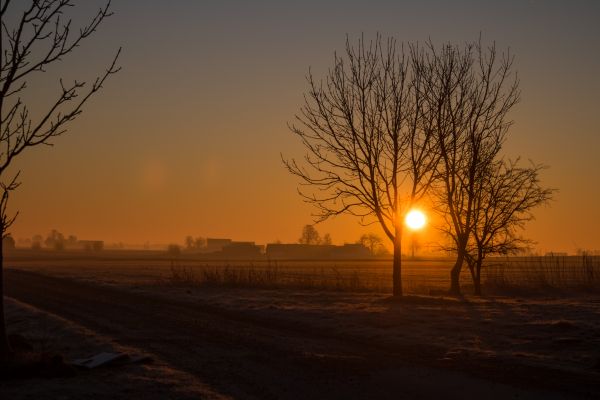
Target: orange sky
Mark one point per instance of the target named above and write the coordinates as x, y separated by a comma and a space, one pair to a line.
186, 140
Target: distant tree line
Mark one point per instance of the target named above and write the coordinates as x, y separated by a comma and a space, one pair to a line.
54, 240
374, 243
309, 236
197, 243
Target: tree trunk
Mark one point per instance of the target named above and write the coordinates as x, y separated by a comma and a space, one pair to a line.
457, 268
471, 268
455, 273
477, 286
4, 345
397, 277
477, 278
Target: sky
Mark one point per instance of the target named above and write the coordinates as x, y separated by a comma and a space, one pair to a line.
187, 139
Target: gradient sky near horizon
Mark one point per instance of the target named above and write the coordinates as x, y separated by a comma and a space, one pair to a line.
186, 139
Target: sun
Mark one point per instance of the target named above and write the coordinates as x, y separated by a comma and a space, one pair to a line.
415, 219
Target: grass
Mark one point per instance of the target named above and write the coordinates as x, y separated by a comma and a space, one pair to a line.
270, 276
499, 276
580, 273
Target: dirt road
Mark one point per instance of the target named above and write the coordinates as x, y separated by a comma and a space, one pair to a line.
246, 356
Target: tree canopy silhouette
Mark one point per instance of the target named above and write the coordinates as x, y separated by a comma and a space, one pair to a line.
310, 235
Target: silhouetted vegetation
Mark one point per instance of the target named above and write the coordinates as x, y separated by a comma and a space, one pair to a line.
509, 276
390, 124
269, 277
192, 243
36, 35
55, 240
310, 235
482, 198
367, 141
543, 274
505, 195
374, 243
8, 243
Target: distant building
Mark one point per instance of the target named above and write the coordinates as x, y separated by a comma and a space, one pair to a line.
279, 251
214, 245
90, 245
351, 250
242, 250
228, 249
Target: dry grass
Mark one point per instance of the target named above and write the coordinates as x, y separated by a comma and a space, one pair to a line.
502, 276
270, 276
534, 274
581, 273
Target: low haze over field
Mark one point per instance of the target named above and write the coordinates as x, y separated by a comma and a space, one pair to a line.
186, 139
299, 200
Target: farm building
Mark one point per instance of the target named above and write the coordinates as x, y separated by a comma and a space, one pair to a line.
277, 251
90, 245
213, 245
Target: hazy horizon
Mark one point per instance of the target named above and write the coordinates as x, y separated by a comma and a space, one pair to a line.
186, 139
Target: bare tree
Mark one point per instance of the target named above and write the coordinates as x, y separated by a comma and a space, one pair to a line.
469, 93
71, 241
55, 240
200, 242
310, 235
505, 196
190, 243
367, 152
36, 34
6, 220
372, 242
326, 240
36, 242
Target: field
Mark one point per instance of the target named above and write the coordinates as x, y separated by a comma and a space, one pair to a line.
48, 332
522, 275
329, 329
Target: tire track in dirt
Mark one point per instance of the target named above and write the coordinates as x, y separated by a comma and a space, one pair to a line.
250, 357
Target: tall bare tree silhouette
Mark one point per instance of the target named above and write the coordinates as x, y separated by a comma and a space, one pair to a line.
470, 91
36, 34
390, 124
505, 196
368, 149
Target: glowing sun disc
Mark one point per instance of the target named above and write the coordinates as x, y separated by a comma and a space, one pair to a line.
415, 219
